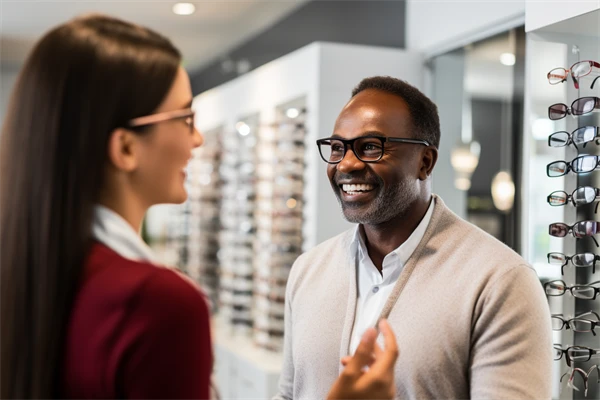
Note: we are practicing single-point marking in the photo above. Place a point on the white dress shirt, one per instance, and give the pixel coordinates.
(373, 287)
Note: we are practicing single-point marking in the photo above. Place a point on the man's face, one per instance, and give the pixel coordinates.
(373, 193)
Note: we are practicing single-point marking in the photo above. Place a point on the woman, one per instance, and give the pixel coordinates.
(99, 129)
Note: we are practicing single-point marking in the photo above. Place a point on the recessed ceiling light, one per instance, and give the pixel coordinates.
(507, 58)
(184, 8)
(242, 128)
(292, 112)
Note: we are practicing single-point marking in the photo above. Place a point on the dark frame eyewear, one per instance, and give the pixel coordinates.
(579, 197)
(580, 106)
(368, 149)
(582, 135)
(559, 287)
(576, 324)
(581, 260)
(579, 165)
(574, 353)
(577, 70)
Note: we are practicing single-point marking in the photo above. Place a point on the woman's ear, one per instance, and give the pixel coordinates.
(123, 149)
(429, 157)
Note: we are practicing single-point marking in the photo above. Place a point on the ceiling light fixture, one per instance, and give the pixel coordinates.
(184, 8)
(507, 59)
(292, 113)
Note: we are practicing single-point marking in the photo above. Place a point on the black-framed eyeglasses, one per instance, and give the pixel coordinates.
(581, 106)
(576, 324)
(579, 165)
(581, 260)
(559, 287)
(367, 149)
(582, 135)
(574, 353)
(581, 196)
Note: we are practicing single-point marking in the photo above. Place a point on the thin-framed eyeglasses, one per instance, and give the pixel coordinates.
(584, 375)
(577, 70)
(576, 324)
(559, 287)
(582, 260)
(187, 114)
(368, 149)
(581, 196)
(582, 135)
(581, 106)
(574, 353)
(579, 165)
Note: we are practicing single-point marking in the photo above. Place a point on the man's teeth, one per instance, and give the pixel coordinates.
(356, 188)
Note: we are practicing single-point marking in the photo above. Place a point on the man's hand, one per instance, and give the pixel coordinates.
(376, 381)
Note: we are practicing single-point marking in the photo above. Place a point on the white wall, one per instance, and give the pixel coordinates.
(434, 26)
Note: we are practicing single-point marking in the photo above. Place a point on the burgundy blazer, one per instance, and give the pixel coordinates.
(136, 330)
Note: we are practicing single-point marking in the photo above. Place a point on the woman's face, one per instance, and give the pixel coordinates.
(166, 149)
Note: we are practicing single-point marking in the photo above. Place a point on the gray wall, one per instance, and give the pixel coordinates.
(377, 23)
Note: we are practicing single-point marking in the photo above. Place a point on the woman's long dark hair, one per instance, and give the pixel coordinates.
(83, 79)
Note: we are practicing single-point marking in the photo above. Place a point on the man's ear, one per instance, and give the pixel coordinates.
(429, 157)
(122, 149)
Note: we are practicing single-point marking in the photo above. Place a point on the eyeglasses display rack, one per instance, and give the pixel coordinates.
(203, 215)
(238, 172)
(569, 98)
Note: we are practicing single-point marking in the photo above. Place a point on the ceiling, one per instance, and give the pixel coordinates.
(214, 29)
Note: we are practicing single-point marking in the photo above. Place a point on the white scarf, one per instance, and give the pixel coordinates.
(114, 232)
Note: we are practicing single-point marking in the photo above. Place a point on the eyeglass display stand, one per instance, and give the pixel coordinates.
(279, 217)
(238, 171)
(578, 38)
(203, 215)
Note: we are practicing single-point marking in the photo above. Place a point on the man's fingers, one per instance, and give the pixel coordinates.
(364, 353)
(345, 360)
(390, 353)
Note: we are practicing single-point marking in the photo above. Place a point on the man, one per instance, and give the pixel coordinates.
(469, 315)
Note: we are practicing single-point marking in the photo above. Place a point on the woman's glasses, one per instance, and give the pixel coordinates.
(579, 165)
(577, 70)
(585, 292)
(582, 135)
(187, 115)
(581, 196)
(582, 260)
(585, 376)
(581, 106)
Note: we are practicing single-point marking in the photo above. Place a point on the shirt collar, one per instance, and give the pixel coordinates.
(113, 231)
(405, 250)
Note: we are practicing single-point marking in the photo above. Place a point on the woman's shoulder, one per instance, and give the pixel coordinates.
(140, 283)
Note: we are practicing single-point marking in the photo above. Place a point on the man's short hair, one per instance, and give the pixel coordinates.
(423, 111)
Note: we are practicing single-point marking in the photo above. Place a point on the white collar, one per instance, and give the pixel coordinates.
(405, 250)
(113, 231)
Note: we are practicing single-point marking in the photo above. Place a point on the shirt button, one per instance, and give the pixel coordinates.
(376, 289)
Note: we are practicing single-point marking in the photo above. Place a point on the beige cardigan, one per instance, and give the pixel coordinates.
(471, 318)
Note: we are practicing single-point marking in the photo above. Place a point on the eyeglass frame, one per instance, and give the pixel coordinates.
(570, 137)
(571, 197)
(585, 376)
(570, 289)
(567, 322)
(569, 110)
(350, 143)
(570, 259)
(153, 119)
(591, 353)
(569, 166)
(570, 71)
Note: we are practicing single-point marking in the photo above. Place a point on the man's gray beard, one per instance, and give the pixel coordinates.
(389, 204)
